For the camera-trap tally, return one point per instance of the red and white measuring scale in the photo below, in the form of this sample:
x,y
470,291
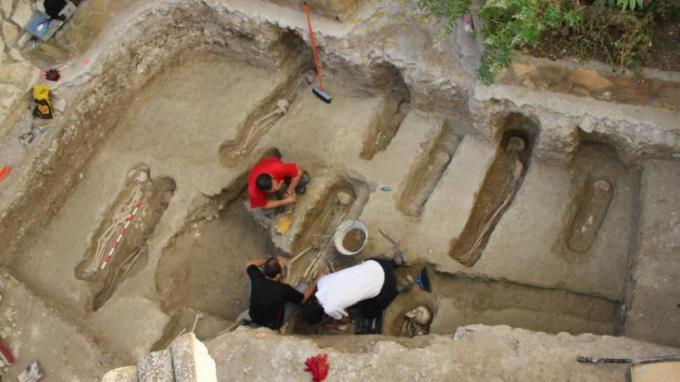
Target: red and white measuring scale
x,y
121,235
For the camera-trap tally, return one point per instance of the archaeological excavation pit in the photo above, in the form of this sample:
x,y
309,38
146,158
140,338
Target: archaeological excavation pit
x,y
120,242
503,179
127,223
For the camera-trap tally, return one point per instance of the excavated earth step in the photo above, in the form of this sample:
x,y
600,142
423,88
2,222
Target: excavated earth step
x,y
34,330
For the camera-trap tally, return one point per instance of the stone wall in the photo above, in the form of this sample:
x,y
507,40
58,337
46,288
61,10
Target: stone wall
x,y
17,74
473,353
340,9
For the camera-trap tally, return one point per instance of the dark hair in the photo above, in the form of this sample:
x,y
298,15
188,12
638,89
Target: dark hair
x,y
312,313
263,182
272,267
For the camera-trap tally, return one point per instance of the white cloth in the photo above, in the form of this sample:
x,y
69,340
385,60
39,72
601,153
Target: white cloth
x,y
340,290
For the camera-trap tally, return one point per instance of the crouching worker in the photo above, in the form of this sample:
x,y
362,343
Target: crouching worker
x,y
368,287
271,301
273,184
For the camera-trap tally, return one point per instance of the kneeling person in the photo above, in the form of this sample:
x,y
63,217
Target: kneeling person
x,y
369,287
273,183
268,295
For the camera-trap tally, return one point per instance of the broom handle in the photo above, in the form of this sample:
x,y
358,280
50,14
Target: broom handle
x,y
314,51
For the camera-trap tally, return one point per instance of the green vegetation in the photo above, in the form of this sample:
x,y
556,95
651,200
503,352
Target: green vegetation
x,y
622,39
451,10
624,4
618,32
515,24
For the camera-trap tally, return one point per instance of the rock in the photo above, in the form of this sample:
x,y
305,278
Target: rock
x,y
521,68
122,374
156,366
310,76
39,6
60,105
16,54
23,74
505,75
590,79
10,32
529,84
553,74
664,103
240,355
6,6
191,360
9,95
580,91
22,13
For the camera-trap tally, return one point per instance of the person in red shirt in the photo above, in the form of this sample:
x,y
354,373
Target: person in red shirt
x,y
273,183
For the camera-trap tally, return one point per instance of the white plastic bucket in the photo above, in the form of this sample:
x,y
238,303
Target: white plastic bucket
x,y
343,229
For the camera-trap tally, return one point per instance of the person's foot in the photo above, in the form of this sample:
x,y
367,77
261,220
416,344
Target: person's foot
x,y
398,258
304,181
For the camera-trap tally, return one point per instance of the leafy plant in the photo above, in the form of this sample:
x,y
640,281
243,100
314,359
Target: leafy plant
x,y
516,24
623,39
623,4
629,4
609,30
604,3
666,9
452,10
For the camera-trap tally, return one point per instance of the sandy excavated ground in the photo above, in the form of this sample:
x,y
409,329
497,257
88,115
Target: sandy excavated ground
x,y
418,173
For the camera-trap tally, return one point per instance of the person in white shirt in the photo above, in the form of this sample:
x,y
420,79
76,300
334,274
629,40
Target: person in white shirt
x,y
369,287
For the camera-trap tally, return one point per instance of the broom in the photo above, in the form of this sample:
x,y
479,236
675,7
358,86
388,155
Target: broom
x,y
318,91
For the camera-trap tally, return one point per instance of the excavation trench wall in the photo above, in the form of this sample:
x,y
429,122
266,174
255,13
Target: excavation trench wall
x,y
164,33
155,32
161,38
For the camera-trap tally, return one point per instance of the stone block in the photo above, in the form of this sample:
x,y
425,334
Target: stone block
x,y
653,314
21,74
156,367
122,374
7,6
590,79
521,68
9,96
10,33
191,360
341,9
22,13
16,54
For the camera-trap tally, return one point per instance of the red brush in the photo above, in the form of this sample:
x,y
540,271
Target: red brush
x,y
6,354
318,366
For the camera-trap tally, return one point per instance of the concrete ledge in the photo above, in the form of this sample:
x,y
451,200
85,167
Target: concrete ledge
x,y
475,353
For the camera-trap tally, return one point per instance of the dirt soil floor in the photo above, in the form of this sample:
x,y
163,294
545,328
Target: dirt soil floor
x,y
175,139
549,251
204,267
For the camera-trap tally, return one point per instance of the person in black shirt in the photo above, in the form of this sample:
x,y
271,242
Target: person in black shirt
x,y
53,9
268,295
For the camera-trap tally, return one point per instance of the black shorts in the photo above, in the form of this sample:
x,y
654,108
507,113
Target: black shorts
x,y
373,307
